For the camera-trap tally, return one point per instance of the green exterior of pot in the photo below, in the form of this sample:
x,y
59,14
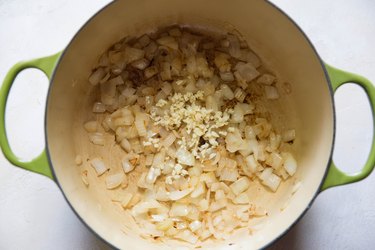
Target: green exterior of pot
x,y
336,177
40,164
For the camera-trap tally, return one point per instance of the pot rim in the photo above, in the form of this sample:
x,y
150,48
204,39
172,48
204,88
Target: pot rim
x,y
272,5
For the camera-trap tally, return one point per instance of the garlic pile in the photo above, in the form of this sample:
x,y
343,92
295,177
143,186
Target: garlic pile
x,y
180,105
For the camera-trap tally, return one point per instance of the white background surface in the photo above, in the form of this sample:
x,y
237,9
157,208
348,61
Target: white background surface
x,y
33,212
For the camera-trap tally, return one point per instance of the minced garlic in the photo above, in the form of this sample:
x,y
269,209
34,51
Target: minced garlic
x,y
187,112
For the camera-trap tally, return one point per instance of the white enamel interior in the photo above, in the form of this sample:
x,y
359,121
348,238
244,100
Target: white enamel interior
x,y
275,39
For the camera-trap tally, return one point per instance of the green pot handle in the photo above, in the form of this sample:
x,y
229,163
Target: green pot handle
x,y
39,164
336,177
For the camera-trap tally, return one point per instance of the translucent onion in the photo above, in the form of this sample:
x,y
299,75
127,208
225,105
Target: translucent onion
x,y
187,236
274,160
99,166
168,140
133,54
141,64
127,166
198,191
290,164
177,195
96,76
144,207
270,179
227,76
227,92
238,114
125,144
271,92
114,180
126,200
91,126
97,138
266,79
98,107
195,225
245,72
140,124
179,209
289,135
240,185
185,157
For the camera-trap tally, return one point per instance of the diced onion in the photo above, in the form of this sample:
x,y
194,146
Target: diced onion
x,y
242,198
290,164
227,92
126,200
271,92
97,138
266,79
187,112
240,185
99,166
145,206
289,135
270,179
177,195
169,140
96,76
179,209
114,180
126,164
98,107
187,236
195,225
91,126
185,157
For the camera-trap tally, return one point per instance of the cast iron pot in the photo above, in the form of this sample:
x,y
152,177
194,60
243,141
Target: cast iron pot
x,y
272,34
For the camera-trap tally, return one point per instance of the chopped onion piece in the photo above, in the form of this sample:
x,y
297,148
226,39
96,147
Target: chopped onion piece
x,y
240,185
187,236
266,79
227,92
96,76
169,140
141,63
271,92
290,164
227,76
91,126
179,209
164,225
84,178
144,207
270,179
198,191
195,225
274,160
98,107
177,195
125,144
242,198
185,157
289,135
97,138
114,180
127,164
251,163
78,160
133,54
126,200
99,166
